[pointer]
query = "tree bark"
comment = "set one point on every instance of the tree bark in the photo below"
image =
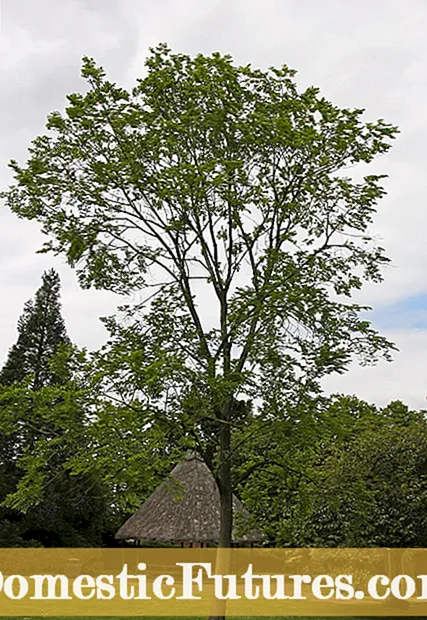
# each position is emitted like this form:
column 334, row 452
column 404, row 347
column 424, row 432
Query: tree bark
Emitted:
column 225, row 487
column 226, row 510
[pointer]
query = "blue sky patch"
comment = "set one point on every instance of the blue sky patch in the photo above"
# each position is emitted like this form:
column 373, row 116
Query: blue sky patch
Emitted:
column 408, row 313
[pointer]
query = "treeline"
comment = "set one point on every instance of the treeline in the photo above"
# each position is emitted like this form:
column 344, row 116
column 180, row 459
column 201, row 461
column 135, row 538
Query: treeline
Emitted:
column 77, row 457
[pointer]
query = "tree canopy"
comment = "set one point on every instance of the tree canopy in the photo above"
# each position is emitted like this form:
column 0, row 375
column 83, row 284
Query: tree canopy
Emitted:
column 217, row 194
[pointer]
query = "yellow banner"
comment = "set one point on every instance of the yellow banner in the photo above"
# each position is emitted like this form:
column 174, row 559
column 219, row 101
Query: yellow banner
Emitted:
column 203, row 582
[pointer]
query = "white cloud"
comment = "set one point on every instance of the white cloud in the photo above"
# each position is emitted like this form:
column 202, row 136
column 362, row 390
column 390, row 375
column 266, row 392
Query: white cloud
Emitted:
column 403, row 379
column 361, row 54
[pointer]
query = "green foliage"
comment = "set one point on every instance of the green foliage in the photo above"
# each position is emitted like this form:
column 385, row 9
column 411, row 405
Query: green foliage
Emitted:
column 43, row 412
column 359, row 481
column 211, row 181
column 73, row 435
column 49, row 503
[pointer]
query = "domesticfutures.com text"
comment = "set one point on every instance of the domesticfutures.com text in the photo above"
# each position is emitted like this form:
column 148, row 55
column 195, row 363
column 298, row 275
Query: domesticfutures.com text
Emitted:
column 193, row 578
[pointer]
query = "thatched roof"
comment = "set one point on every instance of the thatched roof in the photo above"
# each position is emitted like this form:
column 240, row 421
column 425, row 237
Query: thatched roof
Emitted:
column 186, row 508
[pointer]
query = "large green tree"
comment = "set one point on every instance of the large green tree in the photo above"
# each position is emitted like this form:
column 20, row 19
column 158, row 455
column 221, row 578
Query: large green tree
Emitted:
column 217, row 194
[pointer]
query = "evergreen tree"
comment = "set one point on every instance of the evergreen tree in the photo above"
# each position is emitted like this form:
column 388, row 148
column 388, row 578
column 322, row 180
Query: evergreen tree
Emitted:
column 41, row 330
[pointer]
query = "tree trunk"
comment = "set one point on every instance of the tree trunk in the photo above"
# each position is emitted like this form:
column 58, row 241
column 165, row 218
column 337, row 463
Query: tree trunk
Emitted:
column 226, row 511
column 225, row 489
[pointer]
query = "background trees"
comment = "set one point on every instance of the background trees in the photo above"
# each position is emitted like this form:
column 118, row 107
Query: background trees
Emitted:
column 39, row 404
column 361, row 481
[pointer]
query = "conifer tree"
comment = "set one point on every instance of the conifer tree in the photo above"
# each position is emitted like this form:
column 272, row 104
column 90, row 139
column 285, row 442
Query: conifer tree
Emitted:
column 41, row 330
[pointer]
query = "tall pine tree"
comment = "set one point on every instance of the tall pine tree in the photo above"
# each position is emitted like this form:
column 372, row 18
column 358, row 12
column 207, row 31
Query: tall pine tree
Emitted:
column 41, row 329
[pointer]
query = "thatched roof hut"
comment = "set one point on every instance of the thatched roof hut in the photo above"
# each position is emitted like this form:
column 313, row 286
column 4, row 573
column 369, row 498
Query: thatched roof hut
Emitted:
column 185, row 508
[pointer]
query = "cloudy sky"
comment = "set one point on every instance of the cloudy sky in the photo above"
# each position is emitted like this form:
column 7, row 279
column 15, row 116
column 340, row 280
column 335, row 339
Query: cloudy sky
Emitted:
column 369, row 54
